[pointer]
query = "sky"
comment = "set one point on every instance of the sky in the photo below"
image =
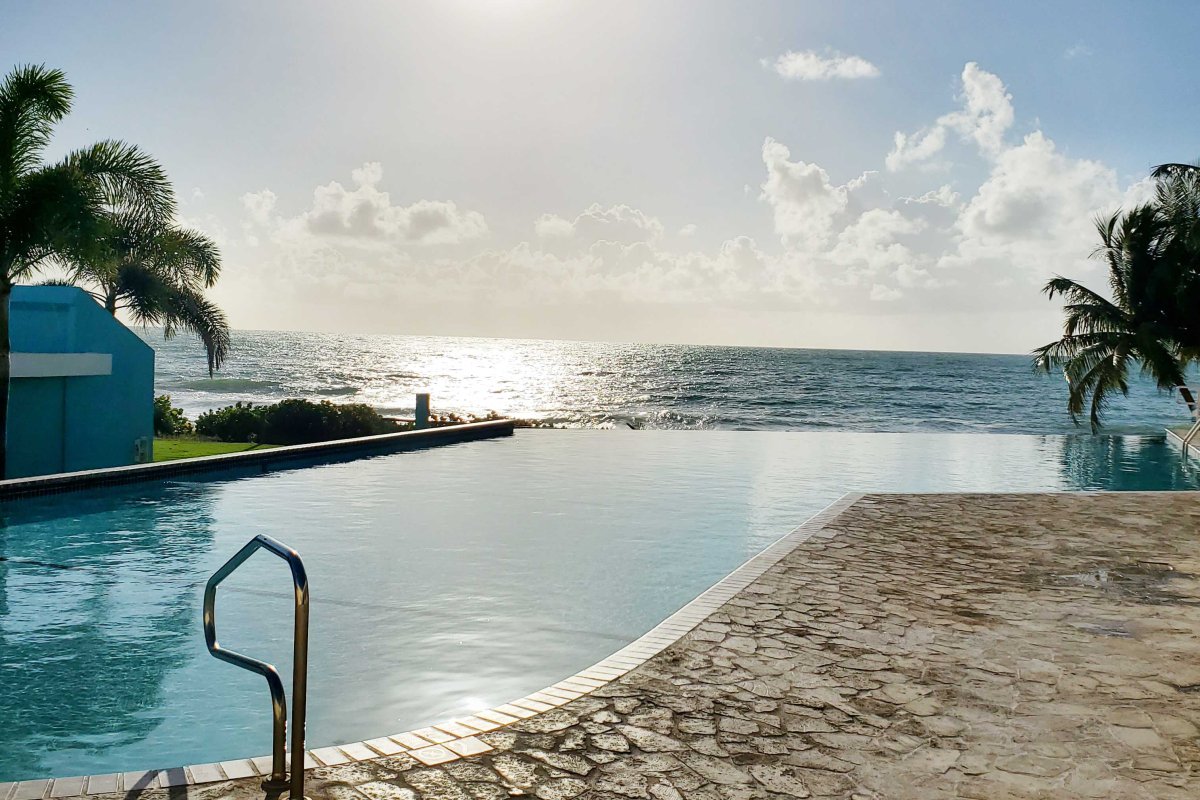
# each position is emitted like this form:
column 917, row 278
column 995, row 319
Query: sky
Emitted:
column 868, row 175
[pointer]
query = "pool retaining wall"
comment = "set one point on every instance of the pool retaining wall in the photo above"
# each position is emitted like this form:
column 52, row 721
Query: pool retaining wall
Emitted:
column 274, row 457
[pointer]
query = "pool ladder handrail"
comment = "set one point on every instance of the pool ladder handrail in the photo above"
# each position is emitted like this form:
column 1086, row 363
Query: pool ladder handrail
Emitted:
column 279, row 779
column 1194, row 409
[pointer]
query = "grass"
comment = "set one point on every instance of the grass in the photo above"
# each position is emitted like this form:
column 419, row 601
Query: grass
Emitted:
column 173, row 449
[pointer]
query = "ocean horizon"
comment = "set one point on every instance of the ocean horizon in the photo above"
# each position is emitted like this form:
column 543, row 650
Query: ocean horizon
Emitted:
column 574, row 383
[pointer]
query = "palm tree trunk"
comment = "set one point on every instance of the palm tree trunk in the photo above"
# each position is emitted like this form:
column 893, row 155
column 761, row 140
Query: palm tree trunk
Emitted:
column 5, row 347
column 1188, row 397
column 110, row 301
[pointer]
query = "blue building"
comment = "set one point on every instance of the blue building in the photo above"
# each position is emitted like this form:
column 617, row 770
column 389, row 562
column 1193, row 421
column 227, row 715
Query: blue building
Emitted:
column 82, row 388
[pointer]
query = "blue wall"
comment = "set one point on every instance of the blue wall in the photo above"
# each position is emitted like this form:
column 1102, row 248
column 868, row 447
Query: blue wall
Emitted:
column 63, row 424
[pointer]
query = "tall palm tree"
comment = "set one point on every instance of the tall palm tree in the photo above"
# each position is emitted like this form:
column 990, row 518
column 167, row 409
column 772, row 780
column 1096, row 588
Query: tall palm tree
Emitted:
column 157, row 274
column 1154, row 278
column 57, row 211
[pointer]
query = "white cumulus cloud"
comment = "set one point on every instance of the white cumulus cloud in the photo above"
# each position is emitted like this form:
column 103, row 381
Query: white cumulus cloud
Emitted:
column 619, row 223
column 802, row 198
column 985, row 117
column 365, row 215
column 367, row 212
column 809, row 65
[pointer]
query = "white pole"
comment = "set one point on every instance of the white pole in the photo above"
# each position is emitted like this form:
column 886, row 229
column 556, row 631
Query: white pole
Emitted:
column 421, row 414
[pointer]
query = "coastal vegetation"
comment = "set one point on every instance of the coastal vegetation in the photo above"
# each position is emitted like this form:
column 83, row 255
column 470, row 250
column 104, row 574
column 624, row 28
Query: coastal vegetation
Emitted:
column 101, row 216
column 169, row 420
column 294, row 421
column 244, row 426
column 1152, row 256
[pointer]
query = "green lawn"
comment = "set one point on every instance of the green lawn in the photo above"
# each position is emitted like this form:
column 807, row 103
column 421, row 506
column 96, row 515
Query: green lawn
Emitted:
column 172, row 449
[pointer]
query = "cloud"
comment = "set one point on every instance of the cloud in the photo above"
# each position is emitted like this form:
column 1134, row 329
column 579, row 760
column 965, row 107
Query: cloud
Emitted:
column 1077, row 50
column 260, row 205
column 1007, row 209
column 942, row 196
column 366, row 212
column 885, row 294
column 985, row 117
column 365, row 216
column 1029, row 217
column 803, row 200
column 1035, row 193
column 809, row 65
column 619, row 223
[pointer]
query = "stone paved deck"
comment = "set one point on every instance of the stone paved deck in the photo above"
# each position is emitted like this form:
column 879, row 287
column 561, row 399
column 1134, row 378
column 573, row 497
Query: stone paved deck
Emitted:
column 935, row 646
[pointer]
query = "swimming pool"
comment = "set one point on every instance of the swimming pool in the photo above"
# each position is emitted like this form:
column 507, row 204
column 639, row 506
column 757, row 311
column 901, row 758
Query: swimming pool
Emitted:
column 443, row 580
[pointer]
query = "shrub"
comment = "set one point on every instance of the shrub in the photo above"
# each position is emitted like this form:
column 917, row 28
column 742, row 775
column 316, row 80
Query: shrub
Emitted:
column 240, row 422
column 169, row 420
column 293, row 422
column 359, row 419
column 299, row 422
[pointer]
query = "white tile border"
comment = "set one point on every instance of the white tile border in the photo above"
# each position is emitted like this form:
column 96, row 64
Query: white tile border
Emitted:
column 454, row 739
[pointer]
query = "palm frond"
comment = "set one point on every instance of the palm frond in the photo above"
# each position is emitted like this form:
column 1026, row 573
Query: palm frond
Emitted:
column 32, row 99
column 190, row 310
column 190, row 255
column 1167, row 170
column 130, row 180
column 51, row 212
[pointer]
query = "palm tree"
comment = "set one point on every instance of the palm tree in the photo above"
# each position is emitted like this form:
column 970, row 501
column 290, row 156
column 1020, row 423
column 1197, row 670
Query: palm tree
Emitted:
column 157, row 274
column 1154, row 278
column 51, row 212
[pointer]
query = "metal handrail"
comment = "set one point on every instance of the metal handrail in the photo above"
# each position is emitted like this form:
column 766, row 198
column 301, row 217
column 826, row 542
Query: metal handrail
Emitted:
column 1193, row 407
column 278, row 781
column 1189, row 436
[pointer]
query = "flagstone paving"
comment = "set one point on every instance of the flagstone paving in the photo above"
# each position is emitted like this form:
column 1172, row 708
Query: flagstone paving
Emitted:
column 921, row 646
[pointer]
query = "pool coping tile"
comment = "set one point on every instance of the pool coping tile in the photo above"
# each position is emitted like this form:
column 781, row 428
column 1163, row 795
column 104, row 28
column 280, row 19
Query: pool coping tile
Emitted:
column 104, row 784
column 468, row 746
column 432, row 734
column 455, row 729
column 572, row 685
column 523, row 708
column 203, row 773
column 31, row 790
column 238, row 768
column 330, row 756
column 63, row 787
column 139, row 780
column 410, row 741
column 384, row 746
column 457, row 738
column 583, row 680
column 167, row 778
column 433, row 755
column 358, row 751
column 550, row 699
column 477, row 724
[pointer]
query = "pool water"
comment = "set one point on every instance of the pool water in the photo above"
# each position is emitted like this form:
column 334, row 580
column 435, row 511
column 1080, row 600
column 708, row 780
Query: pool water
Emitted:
column 443, row 581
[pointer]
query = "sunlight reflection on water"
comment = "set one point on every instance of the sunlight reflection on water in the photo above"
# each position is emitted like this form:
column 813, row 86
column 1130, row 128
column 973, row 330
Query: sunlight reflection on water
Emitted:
column 593, row 384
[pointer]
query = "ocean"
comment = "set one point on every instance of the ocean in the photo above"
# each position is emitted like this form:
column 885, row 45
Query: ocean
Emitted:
column 599, row 384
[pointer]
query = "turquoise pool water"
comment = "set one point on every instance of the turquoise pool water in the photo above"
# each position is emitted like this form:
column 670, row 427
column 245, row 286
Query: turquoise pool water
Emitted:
column 443, row 580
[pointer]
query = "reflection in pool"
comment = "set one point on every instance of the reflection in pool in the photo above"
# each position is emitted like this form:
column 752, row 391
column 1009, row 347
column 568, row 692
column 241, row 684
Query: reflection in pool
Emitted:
column 443, row 580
